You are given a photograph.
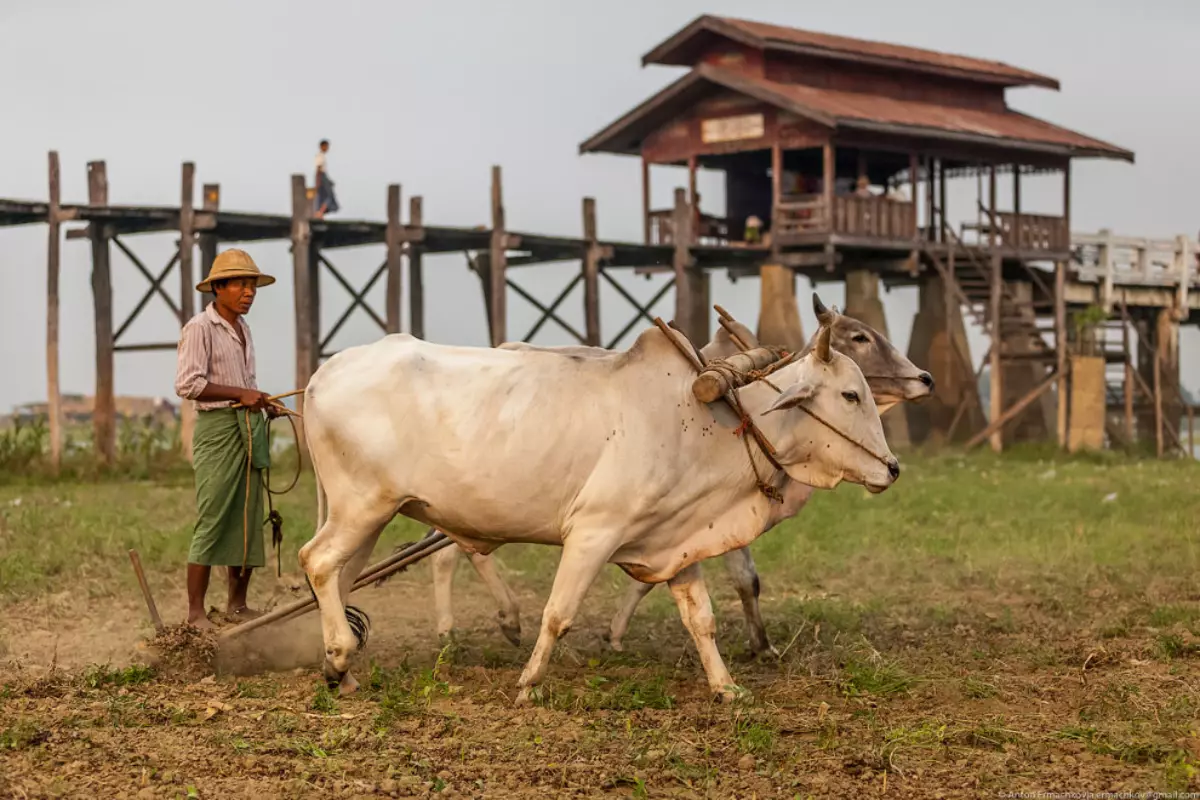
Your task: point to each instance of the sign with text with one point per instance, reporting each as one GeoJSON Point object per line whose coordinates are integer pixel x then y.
{"type": "Point", "coordinates": [729, 129]}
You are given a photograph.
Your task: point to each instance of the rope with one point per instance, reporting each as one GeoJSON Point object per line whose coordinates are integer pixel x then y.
{"type": "Point", "coordinates": [742, 379]}
{"type": "Point", "coordinates": [273, 516]}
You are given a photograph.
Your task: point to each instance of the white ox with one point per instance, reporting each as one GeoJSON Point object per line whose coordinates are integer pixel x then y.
{"type": "Point", "coordinates": [612, 458]}
{"type": "Point", "coordinates": [892, 378]}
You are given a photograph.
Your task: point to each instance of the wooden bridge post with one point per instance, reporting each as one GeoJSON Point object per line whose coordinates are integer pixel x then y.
{"type": "Point", "coordinates": [416, 286]}
{"type": "Point", "coordinates": [394, 242]}
{"type": "Point", "coordinates": [187, 291]}
{"type": "Point", "coordinates": [498, 263]}
{"type": "Point", "coordinates": [53, 268]}
{"type": "Point", "coordinates": [104, 407]}
{"type": "Point", "coordinates": [208, 241]}
{"type": "Point", "coordinates": [996, 372]}
{"type": "Point", "coordinates": [691, 283]}
{"type": "Point", "coordinates": [302, 294]}
{"type": "Point", "coordinates": [1060, 348]}
{"type": "Point", "coordinates": [591, 274]}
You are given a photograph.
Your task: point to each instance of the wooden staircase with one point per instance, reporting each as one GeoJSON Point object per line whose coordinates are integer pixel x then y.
{"type": "Point", "coordinates": [1021, 328]}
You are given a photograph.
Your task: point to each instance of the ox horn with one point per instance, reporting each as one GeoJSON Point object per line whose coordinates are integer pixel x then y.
{"type": "Point", "coordinates": [822, 348]}
{"type": "Point", "coordinates": [824, 315]}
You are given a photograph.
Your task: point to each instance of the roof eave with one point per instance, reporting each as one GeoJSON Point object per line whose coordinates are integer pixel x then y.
{"type": "Point", "coordinates": [595, 142]}
{"type": "Point", "coordinates": [1006, 143]}
{"type": "Point", "coordinates": [662, 53]}
{"type": "Point", "coordinates": [977, 76]}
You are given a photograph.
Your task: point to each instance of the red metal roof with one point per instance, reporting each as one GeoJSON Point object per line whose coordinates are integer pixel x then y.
{"type": "Point", "coordinates": [841, 109]}
{"type": "Point", "coordinates": [680, 50]}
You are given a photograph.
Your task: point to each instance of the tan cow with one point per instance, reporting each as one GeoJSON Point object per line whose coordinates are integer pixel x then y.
{"type": "Point", "coordinates": [892, 378]}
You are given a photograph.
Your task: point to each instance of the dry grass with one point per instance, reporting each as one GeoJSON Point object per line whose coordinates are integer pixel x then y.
{"type": "Point", "coordinates": [987, 625]}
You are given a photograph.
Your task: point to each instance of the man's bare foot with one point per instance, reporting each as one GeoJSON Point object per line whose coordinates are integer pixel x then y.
{"type": "Point", "coordinates": [201, 623]}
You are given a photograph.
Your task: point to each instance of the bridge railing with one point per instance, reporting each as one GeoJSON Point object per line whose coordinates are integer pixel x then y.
{"type": "Point", "coordinates": [1129, 261]}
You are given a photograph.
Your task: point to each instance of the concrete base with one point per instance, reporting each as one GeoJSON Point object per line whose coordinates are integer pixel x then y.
{"type": "Point", "coordinates": [864, 304]}
{"type": "Point", "coordinates": [779, 316]}
{"type": "Point", "coordinates": [1086, 429]}
{"type": "Point", "coordinates": [939, 344]}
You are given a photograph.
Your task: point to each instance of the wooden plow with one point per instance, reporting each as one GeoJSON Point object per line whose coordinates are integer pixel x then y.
{"type": "Point", "coordinates": [398, 561]}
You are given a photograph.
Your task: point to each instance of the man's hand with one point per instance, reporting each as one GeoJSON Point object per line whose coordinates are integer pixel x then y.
{"type": "Point", "coordinates": [274, 411]}
{"type": "Point", "coordinates": [254, 400]}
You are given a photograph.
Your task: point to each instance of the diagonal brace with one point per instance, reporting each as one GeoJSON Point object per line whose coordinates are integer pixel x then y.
{"type": "Point", "coordinates": [548, 311]}
{"type": "Point", "coordinates": [155, 285]}
{"type": "Point", "coordinates": [358, 300]}
{"type": "Point", "coordinates": [642, 311]}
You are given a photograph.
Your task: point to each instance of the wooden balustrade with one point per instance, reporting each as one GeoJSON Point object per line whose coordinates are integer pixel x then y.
{"type": "Point", "coordinates": [709, 230]}
{"type": "Point", "coordinates": [874, 217]}
{"type": "Point", "coordinates": [1036, 232]}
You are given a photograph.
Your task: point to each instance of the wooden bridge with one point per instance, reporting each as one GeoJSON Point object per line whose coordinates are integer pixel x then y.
{"type": "Point", "coordinates": [1018, 285]}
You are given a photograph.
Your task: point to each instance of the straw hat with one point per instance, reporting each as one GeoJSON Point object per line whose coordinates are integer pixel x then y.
{"type": "Point", "coordinates": [233, 264]}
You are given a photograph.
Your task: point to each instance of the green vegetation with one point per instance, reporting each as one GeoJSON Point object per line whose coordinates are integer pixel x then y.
{"type": "Point", "coordinates": [988, 624]}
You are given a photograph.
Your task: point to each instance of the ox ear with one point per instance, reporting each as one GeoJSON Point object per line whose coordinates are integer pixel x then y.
{"type": "Point", "coordinates": [821, 350]}
{"type": "Point", "coordinates": [824, 315]}
{"type": "Point", "coordinates": [793, 396]}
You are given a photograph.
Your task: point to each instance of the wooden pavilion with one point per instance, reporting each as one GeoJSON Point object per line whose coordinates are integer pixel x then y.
{"type": "Point", "coordinates": [840, 149]}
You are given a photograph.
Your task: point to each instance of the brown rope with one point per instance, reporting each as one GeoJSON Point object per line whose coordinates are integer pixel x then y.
{"type": "Point", "coordinates": [733, 400]}
{"type": "Point", "coordinates": [273, 516]}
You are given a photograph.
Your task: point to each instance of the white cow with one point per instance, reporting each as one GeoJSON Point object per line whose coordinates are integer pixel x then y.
{"type": "Point", "coordinates": [893, 379]}
{"type": "Point", "coordinates": [612, 458]}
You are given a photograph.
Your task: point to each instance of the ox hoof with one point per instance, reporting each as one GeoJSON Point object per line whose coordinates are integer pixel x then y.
{"type": "Point", "coordinates": [333, 676]}
{"type": "Point", "coordinates": [730, 693]}
{"type": "Point", "coordinates": [766, 654]}
{"type": "Point", "coordinates": [528, 696]}
{"type": "Point", "coordinates": [615, 643]}
{"type": "Point", "coordinates": [348, 685]}
{"type": "Point", "coordinates": [512, 633]}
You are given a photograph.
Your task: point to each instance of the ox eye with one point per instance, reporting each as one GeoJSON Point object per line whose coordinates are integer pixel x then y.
{"type": "Point", "coordinates": [861, 338]}
{"type": "Point", "coordinates": [851, 396]}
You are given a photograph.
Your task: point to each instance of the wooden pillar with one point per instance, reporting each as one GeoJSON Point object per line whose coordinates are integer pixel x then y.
{"type": "Point", "coordinates": [1017, 207]}
{"type": "Point", "coordinates": [53, 266]}
{"type": "Point", "coordinates": [1067, 202]}
{"type": "Point", "coordinates": [1158, 408]}
{"type": "Point", "coordinates": [187, 290]}
{"type": "Point", "coordinates": [394, 242]}
{"type": "Point", "coordinates": [591, 274]}
{"type": "Point", "coordinates": [914, 171]}
{"type": "Point", "coordinates": [941, 169]}
{"type": "Point", "coordinates": [829, 175]}
{"type": "Point", "coordinates": [1129, 379]}
{"type": "Point", "coordinates": [997, 379]}
{"type": "Point", "coordinates": [302, 277]}
{"type": "Point", "coordinates": [1060, 347]}
{"type": "Point", "coordinates": [416, 285]}
{"type": "Point", "coordinates": [930, 205]}
{"type": "Point", "coordinates": [692, 199]}
{"type": "Point", "coordinates": [498, 263]}
{"type": "Point", "coordinates": [208, 241]}
{"type": "Point", "coordinates": [104, 409]}
{"type": "Point", "coordinates": [993, 234]}
{"type": "Point", "coordinates": [646, 200]}
{"type": "Point", "coordinates": [776, 191]}
{"type": "Point", "coordinates": [691, 290]}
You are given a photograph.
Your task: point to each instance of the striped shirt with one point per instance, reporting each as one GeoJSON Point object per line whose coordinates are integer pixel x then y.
{"type": "Point", "coordinates": [209, 352]}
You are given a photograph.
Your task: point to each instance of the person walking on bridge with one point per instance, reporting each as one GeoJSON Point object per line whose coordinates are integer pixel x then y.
{"type": "Point", "coordinates": [326, 201]}
{"type": "Point", "coordinates": [216, 370]}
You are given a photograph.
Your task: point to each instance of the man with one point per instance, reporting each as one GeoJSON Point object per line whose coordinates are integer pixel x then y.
{"type": "Point", "coordinates": [326, 201]}
{"type": "Point", "coordinates": [229, 446]}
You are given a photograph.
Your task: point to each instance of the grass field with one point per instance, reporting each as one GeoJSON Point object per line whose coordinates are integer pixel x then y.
{"type": "Point", "coordinates": [987, 625]}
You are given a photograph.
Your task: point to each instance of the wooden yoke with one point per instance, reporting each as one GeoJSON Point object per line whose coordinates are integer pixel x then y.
{"type": "Point", "coordinates": [727, 374]}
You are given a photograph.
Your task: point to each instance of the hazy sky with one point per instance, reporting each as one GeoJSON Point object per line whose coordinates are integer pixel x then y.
{"type": "Point", "coordinates": [432, 94]}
